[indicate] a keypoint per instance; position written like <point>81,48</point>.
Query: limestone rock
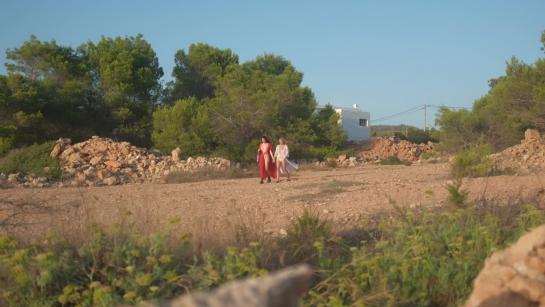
<point>523,158</point>
<point>382,148</point>
<point>280,289</point>
<point>110,181</point>
<point>515,276</point>
<point>60,145</point>
<point>531,135</point>
<point>102,161</point>
<point>176,154</point>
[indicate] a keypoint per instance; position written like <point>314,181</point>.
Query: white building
<point>355,123</point>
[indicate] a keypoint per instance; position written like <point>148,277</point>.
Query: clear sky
<point>386,56</point>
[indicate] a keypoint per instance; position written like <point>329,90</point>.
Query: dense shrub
<point>33,159</point>
<point>473,162</point>
<point>5,145</point>
<point>416,135</point>
<point>422,258</point>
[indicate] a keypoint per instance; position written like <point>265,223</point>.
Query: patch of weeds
<point>208,173</point>
<point>473,162</point>
<point>457,196</point>
<point>310,239</point>
<point>428,154</point>
<point>429,193</point>
<point>394,160</point>
<point>324,190</point>
<point>34,159</point>
<point>332,163</point>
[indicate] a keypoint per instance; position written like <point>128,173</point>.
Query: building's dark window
<point>363,122</point>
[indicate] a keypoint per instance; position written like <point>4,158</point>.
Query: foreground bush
<point>422,258</point>
<point>412,258</point>
<point>33,159</point>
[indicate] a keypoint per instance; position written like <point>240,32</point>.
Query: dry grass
<point>322,191</point>
<point>209,173</point>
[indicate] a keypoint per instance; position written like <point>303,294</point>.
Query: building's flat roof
<point>343,108</point>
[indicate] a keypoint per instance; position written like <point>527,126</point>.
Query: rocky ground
<point>219,210</point>
<point>101,161</point>
<point>108,182</point>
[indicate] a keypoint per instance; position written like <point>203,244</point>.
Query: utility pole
<point>425,117</point>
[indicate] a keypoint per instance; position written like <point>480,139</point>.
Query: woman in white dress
<point>281,155</point>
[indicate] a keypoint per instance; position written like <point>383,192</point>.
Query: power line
<point>412,110</point>
<point>448,107</point>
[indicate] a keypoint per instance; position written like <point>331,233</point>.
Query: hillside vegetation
<point>214,105</point>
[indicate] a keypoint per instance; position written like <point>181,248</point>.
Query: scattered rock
<point>515,276</point>
<point>531,135</point>
<point>13,178</point>
<point>280,289</point>
<point>110,181</point>
<point>101,161</point>
<point>522,158</point>
<point>176,154</point>
<point>382,148</point>
<point>60,145</point>
<point>112,164</point>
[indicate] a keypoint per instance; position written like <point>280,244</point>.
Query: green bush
<point>422,258</point>
<point>416,135</point>
<point>34,159</point>
<point>473,162</point>
<point>105,271</point>
<point>302,235</point>
<point>394,160</point>
<point>5,145</point>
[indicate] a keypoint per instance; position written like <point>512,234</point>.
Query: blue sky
<point>386,56</point>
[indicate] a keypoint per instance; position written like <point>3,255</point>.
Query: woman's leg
<point>285,165</point>
<point>285,168</point>
<point>267,168</point>
<point>278,165</point>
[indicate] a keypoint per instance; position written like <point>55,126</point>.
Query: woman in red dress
<point>265,160</point>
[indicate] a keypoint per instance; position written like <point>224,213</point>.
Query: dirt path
<point>215,210</point>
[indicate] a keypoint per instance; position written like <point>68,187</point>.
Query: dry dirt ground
<point>240,209</point>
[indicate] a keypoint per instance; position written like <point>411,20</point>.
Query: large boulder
<point>513,277</point>
<point>280,289</point>
<point>531,135</point>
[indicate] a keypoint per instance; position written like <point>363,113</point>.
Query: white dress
<point>282,152</point>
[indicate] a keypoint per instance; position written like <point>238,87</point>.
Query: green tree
<point>252,100</point>
<point>48,93</point>
<point>515,102</point>
<point>127,74</point>
<point>184,124</point>
<point>197,71</point>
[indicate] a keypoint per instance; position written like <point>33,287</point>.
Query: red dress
<point>261,159</point>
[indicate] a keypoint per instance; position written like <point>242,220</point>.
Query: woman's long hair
<point>266,139</point>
